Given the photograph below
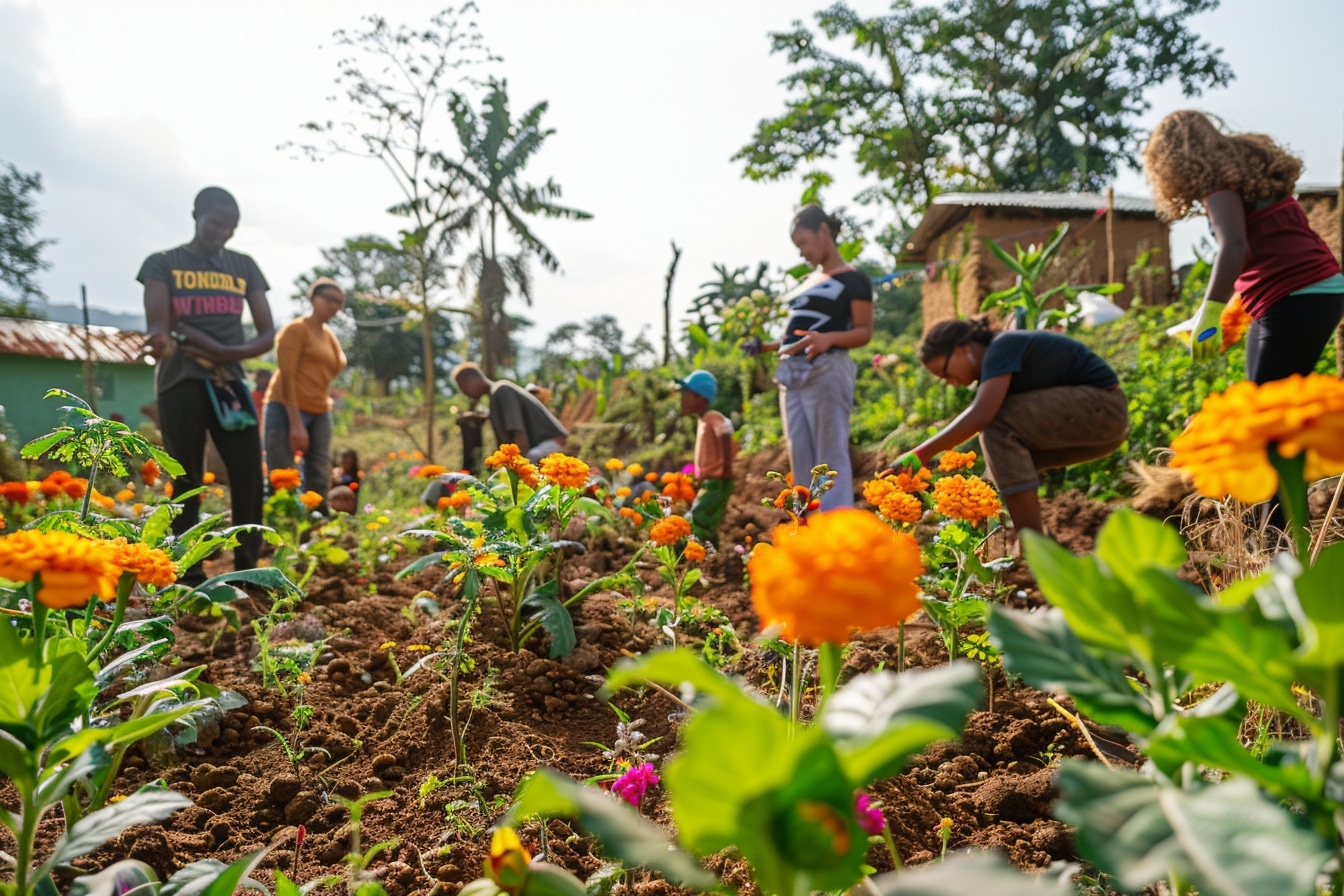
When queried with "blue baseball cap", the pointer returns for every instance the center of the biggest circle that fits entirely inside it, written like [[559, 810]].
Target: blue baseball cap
[[702, 383]]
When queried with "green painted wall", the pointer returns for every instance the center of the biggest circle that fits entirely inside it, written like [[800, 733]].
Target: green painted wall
[[123, 388]]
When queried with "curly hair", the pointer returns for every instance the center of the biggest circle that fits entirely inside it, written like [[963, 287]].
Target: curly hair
[[946, 336], [1188, 157]]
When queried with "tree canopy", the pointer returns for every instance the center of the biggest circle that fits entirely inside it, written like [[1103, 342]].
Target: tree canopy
[[20, 249], [977, 95]]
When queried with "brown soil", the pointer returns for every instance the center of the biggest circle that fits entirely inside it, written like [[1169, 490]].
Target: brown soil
[[995, 783]]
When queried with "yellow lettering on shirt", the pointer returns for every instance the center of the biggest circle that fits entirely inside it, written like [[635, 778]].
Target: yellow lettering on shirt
[[177, 279], [213, 280]]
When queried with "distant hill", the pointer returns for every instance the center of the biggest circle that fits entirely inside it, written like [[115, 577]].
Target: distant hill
[[73, 314]]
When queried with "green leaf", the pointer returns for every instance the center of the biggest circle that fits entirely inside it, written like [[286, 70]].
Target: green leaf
[[156, 527], [1227, 838], [880, 718], [1101, 611], [39, 446], [211, 877], [1040, 647], [1010, 260], [118, 879], [979, 872], [284, 886], [39, 700], [1320, 592], [96, 828], [1131, 542], [553, 617], [17, 761], [266, 577], [625, 835], [1214, 741]]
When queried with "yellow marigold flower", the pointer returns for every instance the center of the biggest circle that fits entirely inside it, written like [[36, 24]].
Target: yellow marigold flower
[[695, 551], [311, 499], [125, 495], [74, 569], [509, 457], [952, 461], [305, 677], [207, 478], [623, 492], [286, 478], [968, 498], [1234, 322], [615, 465], [670, 530], [565, 471], [635, 470], [478, 542], [431, 471], [489, 558], [1225, 448], [150, 472], [844, 571], [217, 491], [150, 565]]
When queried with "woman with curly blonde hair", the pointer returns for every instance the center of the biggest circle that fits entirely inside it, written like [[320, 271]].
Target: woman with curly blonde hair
[[1289, 281]]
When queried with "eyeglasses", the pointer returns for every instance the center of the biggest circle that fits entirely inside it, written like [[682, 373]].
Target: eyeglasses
[[946, 361]]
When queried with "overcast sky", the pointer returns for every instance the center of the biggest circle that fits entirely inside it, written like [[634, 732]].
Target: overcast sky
[[128, 107]]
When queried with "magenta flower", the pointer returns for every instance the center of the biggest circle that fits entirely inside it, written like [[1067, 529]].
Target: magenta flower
[[877, 361], [636, 781], [869, 818]]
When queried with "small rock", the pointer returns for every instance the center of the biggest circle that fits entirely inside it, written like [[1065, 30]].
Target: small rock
[[537, 667], [284, 788], [302, 807], [208, 777], [584, 659], [383, 761], [554, 704], [217, 800], [393, 773], [349, 790], [346, 725], [542, 685], [340, 664]]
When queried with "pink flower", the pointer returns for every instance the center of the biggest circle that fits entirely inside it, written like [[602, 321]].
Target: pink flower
[[869, 818], [413, 471], [688, 470], [877, 361], [636, 781]]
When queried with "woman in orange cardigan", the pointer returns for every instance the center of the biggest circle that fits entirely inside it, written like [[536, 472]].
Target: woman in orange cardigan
[[298, 401]]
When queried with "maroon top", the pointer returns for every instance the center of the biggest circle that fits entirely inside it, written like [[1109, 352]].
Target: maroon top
[[1284, 255]]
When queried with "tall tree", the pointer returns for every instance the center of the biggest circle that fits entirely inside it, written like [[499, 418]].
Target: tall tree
[[393, 88], [977, 94], [20, 249], [494, 151]]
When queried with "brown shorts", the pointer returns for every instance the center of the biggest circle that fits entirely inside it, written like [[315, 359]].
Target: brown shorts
[[1053, 427]]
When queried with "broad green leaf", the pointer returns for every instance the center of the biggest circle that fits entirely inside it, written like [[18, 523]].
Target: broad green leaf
[[674, 668], [553, 617], [284, 886], [1101, 610], [1320, 591], [211, 877], [1040, 647], [38, 701], [39, 446], [156, 527], [119, 879], [96, 828], [1228, 838], [267, 577], [1215, 742], [17, 761], [1130, 542], [1008, 258], [691, 578], [977, 873], [879, 719], [625, 835], [422, 563]]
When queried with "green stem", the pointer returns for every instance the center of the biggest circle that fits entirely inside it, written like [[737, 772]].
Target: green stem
[[1293, 498], [39, 626], [24, 848], [796, 691], [88, 491], [891, 848], [124, 586], [900, 646], [829, 663]]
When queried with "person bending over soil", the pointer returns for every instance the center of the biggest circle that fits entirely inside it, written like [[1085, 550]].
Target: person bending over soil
[[515, 416], [1044, 400], [1289, 282]]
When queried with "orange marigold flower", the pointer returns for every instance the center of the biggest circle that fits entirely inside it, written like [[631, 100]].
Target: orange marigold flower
[[311, 499], [17, 493], [456, 501], [125, 496], [635, 470], [623, 492], [952, 461], [150, 472], [207, 478], [75, 488], [695, 551], [150, 565], [431, 471], [74, 569], [894, 504], [1234, 322], [912, 483], [845, 570], [1225, 448], [968, 498], [615, 465], [167, 489], [509, 457], [650, 477], [670, 530], [286, 478], [679, 487], [102, 500], [137, 508], [565, 471]]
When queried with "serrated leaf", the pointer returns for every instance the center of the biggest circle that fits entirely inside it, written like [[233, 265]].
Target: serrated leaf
[[623, 832]]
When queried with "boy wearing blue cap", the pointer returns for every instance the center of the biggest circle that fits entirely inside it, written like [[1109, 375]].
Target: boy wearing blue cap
[[714, 453]]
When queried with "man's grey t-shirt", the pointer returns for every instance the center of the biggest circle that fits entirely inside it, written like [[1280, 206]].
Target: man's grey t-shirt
[[513, 410], [209, 293], [1039, 359]]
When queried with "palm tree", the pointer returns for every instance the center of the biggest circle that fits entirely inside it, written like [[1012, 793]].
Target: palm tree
[[495, 150]]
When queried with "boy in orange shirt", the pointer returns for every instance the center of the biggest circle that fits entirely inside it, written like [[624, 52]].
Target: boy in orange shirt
[[714, 453]]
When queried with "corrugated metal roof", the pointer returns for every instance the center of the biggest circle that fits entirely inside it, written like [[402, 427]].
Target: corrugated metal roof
[[49, 339], [1080, 202], [949, 209], [1317, 189]]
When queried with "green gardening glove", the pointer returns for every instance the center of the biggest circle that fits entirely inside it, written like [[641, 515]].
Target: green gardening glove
[[1206, 339]]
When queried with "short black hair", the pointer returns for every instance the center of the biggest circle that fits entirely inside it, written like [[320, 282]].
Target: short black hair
[[215, 199]]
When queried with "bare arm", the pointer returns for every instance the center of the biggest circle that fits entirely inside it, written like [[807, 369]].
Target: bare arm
[[859, 334], [1227, 217], [206, 347], [158, 320], [988, 400]]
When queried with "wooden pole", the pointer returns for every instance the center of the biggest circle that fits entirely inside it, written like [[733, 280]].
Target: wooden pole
[[667, 304], [89, 394], [1110, 234]]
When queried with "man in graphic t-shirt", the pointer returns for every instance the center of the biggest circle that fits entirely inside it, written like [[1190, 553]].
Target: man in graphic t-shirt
[[194, 300]]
